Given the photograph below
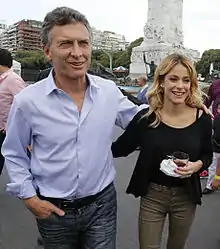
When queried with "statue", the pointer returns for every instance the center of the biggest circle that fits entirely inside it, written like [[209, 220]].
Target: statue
[[163, 35]]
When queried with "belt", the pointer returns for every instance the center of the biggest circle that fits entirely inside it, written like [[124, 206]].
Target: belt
[[76, 204]]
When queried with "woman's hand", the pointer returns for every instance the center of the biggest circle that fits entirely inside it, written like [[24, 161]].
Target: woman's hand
[[187, 171]]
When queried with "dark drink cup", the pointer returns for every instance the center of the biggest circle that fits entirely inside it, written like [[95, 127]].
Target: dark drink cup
[[180, 158]]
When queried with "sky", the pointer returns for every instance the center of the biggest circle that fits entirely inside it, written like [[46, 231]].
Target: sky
[[201, 19]]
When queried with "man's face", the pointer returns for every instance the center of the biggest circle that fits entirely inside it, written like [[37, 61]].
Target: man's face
[[141, 82], [69, 50]]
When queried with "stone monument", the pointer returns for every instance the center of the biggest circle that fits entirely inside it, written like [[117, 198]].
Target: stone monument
[[163, 35]]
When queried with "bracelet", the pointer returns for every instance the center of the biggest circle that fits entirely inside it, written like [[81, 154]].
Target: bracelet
[[216, 177]]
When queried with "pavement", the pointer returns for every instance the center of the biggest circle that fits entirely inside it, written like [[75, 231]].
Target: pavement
[[18, 229]]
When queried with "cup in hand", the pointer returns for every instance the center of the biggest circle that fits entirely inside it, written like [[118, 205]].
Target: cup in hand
[[180, 158]]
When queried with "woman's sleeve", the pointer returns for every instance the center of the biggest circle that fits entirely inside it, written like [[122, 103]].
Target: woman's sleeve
[[130, 139], [206, 148]]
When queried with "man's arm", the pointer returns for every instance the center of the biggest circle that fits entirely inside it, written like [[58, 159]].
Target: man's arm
[[209, 98], [18, 137], [126, 110], [14, 149]]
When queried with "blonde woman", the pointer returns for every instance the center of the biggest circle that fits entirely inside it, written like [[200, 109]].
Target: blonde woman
[[174, 122]]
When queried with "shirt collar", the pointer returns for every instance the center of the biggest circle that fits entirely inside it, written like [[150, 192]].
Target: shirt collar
[[51, 86], [5, 75], [145, 86]]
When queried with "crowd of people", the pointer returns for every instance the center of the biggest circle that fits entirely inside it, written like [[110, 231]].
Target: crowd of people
[[56, 143]]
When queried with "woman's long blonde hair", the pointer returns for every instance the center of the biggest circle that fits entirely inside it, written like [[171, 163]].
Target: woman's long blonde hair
[[156, 93]]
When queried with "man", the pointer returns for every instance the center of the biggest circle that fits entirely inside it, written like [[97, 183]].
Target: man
[[216, 154], [69, 117], [142, 82], [213, 96], [212, 99], [10, 85]]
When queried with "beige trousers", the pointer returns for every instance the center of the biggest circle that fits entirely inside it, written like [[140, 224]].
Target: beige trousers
[[155, 206]]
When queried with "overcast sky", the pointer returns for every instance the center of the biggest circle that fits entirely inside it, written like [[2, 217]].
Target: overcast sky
[[201, 23]]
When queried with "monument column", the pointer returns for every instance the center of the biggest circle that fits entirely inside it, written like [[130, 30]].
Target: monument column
[[162, 36], [164, 17]]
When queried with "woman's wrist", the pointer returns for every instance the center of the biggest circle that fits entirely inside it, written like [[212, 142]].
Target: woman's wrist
[[197, 166]]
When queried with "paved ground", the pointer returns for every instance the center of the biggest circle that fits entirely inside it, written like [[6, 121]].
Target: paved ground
[[18, 229]]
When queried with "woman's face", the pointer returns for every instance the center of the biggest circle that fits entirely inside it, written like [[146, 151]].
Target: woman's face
[[177, 85]]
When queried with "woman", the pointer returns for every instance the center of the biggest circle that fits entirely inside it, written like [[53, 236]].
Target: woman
[[174, 122]]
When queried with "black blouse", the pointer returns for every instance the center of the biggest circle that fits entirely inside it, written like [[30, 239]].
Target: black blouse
[[156, 143]]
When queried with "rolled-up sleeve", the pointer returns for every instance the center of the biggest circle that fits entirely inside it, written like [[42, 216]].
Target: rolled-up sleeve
[[16, 86], [14, 149], [126, 110]]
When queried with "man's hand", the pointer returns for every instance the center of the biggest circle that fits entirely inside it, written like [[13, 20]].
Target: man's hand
[[207, 111], [215, 184], [42, 209], [187, 171]]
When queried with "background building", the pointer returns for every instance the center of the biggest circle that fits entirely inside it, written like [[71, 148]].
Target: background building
[[108, 40], [23, 35], [3, 26]]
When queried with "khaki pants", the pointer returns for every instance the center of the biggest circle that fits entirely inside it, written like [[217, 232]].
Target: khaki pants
[[154, 208]]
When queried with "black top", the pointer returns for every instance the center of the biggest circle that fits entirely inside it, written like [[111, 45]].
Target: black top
[[216, 134], [156, 143]]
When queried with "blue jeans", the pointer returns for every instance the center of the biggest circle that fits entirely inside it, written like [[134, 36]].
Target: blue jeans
[[89, 227]]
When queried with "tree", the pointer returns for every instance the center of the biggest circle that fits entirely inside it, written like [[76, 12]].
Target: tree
[[133, 44], [32, 59], [119, 58], [208, 57]]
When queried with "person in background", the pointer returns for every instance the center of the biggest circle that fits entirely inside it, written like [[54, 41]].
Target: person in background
[[10, 84], [142, 93], [212, 98], [216, 153], [173, 124], [216, 181]]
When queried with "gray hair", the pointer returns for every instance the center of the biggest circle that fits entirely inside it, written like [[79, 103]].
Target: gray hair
[[143, 77], [59, 17]]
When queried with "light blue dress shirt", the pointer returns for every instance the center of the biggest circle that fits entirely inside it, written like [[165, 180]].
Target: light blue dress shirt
[[71, 151]]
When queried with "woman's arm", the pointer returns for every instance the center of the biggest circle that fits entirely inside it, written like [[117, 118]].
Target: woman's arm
[[130, 139], [205, 157]]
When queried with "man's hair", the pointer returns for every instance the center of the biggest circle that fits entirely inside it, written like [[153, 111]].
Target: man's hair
[[143, 77], [59, 17], [5, 58]]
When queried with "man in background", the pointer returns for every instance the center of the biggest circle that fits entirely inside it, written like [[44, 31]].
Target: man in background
[[213, 96], [142, 82], [10, 84]]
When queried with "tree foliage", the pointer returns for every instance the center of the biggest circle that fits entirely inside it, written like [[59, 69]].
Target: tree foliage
[[208, 57], [119, 58], [32, 59]]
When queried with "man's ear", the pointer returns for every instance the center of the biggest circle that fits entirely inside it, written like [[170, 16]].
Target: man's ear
[[47, 52]]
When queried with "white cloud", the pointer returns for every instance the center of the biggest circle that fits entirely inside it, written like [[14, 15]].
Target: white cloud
[[201, 23]]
